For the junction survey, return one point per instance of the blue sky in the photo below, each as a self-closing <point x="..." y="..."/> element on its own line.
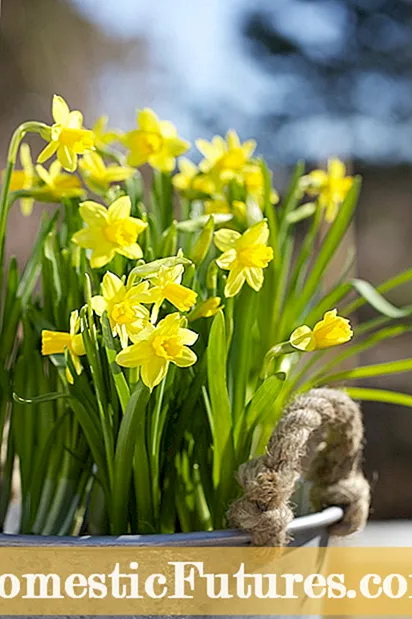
<point x="198" y="62"/>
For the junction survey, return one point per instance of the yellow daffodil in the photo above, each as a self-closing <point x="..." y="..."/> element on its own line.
<point x="219" y="204"/>
<point x="167" y="286"/>
<point x="109" y="231"/>
<point x="102" y="134"/>
<point x="57" y="184"/>
<point x="126" y="313"/>
<point x="156" y="347"/>
<point x="254" y="184"/>
<point x="331" y="187"/>
<point x="332" y="330"/>
<point x="245" y="256"/>
<point x="155" y="142"/>
<point x="206" y="309"/>
<point x="67" y="137"/>
<point x="189" y="177"/>
<point x="98" y="176"/>
<point x="55" y="342"/>
<point x="24" y="179"/>
<point x="226" y="158"/>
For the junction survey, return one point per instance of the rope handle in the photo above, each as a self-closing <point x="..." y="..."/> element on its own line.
<point x="320" y="437"/>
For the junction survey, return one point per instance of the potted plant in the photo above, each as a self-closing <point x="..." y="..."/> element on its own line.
<point x="156" y="336"/>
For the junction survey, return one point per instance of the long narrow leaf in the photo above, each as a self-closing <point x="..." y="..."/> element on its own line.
<point x="130" y="427"/>
<point x="380" y="395"/>
<point x="369" y="371"/>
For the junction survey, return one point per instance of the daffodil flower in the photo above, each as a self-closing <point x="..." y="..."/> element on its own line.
<point x="102" y="134"/>
<point x="124" y="307"/>
<point x="167" y="286"/>
<point x="109" y="231"/>
<point x="220" y="205"/>
<point x="56" y="342"/>
<point x="24" y="179"/>
<point x="254" y="184"/>
<point x="67" y="137"/>
<point x="57" y="184"/>
<point x="245" y="256"/>
<point x="331" y="187"/>
<point x="332" y="330"/>
<point x="225" y="157"/>
<point x="156" y="347"/>
<point x="155" y="142"/>
<point x="189" y="177"/>
<point x="98" y="176"/>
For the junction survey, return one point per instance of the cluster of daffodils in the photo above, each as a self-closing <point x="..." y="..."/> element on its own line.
<point x="228" y="181"/>
<point x="179" y="311"/>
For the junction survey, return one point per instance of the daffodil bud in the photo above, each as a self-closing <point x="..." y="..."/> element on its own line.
<point x="203" y="242"/>
<point x="211" y="277"/>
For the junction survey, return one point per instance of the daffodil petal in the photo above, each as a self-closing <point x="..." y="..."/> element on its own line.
<point x="225" y="239"/>
<point x="187" y="336"/>
<point x="25" y="157"/>
<point x="148" y="120"/>
<point x="47" y="152"/>
<point x="226" y="260"/>
<point x="99" y="304"/>
<point x="120" y="208"/>
<point x="133" y="252"/>
<point x="234" y="282"/>
<point x="186" y="358"/>
<point x="26" y="206"/>
<point x="93" y="214"/>
<point x="256" y="235"/>
<point x="135" y="355"/>
<point x="67" y="158"/>
<point x="153" y="373"/>
<point x="77" y="345"/>
<point x="254" y="277"/>
<point x="91" y="238"/>
<point x="101" y="256"/>
<point x="75" y="120"/>
<point x="112" y="285"/>
<point x="60" y="110"/>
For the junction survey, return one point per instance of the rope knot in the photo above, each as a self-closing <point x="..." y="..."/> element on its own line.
<point x="321" y="432"/>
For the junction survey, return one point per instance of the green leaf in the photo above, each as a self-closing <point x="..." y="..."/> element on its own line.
<point x="41" y="399"/>
<point x="390" y="284"/>
<point x="368" y="371"/>
<point x="328" y="248"/>
<point x="131" y="429"/>
<point x="223" y="447"/>
<point x="328" y="302"/>
<point x="32" y="268"/>
<point x="380" y="395"/>
<point x="377" y="301"/>
<point x="260" y="407"/>
<point x="301" y="213"/>
<point x="293" y="194"/>
<point x="356" y="347"/>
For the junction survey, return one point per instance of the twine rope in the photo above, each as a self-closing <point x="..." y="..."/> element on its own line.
<point x="320" y="434"/>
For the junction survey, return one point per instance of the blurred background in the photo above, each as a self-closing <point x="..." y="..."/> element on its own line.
<point x="306" y="78"/>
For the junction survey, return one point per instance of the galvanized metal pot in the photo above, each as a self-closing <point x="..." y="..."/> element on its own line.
<point x="310" y="530"/>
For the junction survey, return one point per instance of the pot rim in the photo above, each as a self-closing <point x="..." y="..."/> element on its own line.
<point x="312" y="523"/>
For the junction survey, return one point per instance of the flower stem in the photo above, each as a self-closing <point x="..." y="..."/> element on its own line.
<point x="17" y="137"/>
